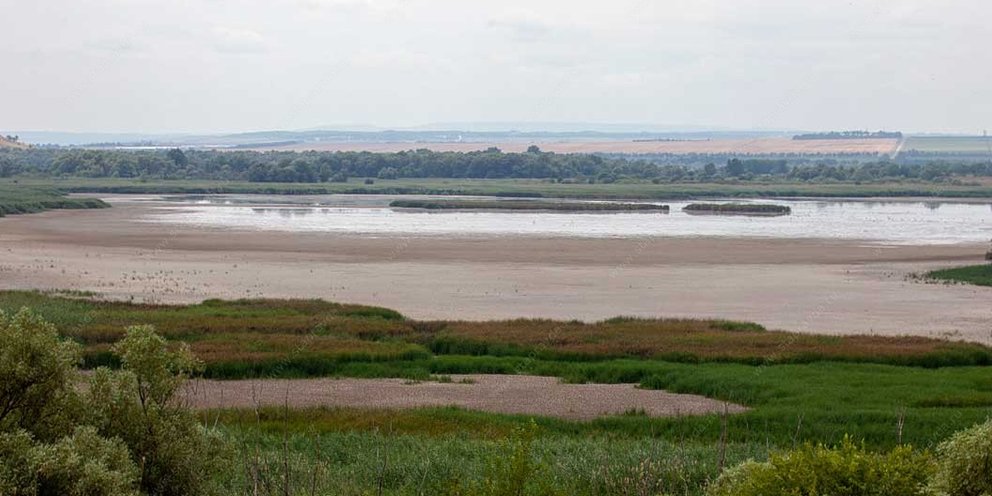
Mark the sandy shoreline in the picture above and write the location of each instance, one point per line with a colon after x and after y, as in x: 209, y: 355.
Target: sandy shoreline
x: 800, y: 285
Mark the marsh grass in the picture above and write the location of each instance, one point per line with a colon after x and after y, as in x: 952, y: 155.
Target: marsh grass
x: 296, y: 338
x: 979, y: 275
x: 534, y: 188
x: 538, y: 205
x: 738, y: 208
x: 16, y: 199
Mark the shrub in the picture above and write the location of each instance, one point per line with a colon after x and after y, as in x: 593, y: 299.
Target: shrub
x: 127, y: 431
x: 139, y: 405
x: 964, y: 466
x: 83, y: 464
x: 848, y: 470
x: 36, y: 374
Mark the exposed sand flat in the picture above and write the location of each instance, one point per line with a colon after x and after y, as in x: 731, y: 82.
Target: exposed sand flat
x: 513, y: 394
x: 756, y: 146
x: 799, y: 285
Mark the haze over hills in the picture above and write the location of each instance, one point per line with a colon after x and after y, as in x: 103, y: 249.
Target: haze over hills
x: 440, y: 132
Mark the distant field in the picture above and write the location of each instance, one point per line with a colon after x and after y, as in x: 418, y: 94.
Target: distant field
x: 5, y: 143
x: 948, y: 144
x: 757, y: 146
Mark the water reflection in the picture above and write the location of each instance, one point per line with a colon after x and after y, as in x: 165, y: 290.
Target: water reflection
x: 909, y: 222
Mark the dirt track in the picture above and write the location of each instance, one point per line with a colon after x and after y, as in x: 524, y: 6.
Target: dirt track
x: 513, y: 394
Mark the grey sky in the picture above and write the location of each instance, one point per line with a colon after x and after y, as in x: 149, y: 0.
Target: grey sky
x: 225, y: 65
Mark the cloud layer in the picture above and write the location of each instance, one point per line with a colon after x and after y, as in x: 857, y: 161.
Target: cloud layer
x: 227, y: 65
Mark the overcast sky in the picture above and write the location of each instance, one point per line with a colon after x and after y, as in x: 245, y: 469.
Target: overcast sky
x: 226, y: 65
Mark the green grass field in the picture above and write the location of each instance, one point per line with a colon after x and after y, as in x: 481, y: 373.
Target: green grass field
x: 948, y: 144
x: 798, y: 388
x: 979, y: 275
x: 528, y: 188
x: 23, y: 199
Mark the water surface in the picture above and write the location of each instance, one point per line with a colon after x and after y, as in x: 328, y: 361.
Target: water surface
x: 892, y: 222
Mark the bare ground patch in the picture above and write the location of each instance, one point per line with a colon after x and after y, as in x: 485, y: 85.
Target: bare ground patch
x: 511, y: 394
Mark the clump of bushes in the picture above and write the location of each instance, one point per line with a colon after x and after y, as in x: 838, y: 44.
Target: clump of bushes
x: 964, y: 466
x: 847, y: 470
x: 125, y: 433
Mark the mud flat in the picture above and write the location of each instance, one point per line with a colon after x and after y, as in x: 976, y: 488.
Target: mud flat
x: 804, y: 285
x: 512, y: 394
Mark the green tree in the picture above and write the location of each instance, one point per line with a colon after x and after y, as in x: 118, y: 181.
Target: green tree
x: 37, y: 371
x: 127, y: 431
x: 178, y: 157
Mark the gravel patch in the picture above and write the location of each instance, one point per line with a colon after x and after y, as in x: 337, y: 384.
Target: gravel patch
x: 512, y: 394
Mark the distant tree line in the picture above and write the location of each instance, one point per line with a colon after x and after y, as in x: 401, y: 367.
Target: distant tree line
x: 313, y: 167
x: 832, y: 135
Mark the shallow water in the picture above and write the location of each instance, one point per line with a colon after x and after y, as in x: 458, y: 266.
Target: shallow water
x: 892, y: 222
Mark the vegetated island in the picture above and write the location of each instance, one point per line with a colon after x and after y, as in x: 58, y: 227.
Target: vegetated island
x: 569, y: 206
x: 16, y: 199
x: 737, y: 209
x: 979, y: 275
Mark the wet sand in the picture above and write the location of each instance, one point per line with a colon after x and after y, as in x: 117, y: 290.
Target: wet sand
x: 512, y: 394
x: 824, y: 286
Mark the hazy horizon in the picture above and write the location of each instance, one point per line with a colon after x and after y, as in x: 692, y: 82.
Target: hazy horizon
x: 218, y: 66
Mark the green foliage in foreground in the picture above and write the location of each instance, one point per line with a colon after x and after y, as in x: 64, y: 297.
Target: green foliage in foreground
x: 519, y: 463
x: 965, y: 463
x: 979, y: 275
x: 126, y: 433
x: 122, y: 433
x: 962, y: 467
x: 15, y: 199
x: 848, y: 470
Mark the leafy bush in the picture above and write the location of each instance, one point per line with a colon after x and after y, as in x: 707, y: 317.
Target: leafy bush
x: 126, y: 431
x: 82, y: 464
x: 848, y: 470
x: 139, y: 405
x: 964, y: 466
x: 36, y: 373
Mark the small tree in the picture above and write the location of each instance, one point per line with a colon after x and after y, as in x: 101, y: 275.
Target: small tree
x: 140, y: 405
x: 127, y: 432
x: 37, y: 370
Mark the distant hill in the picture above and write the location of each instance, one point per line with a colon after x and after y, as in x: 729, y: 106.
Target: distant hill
x: 7, y: 142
